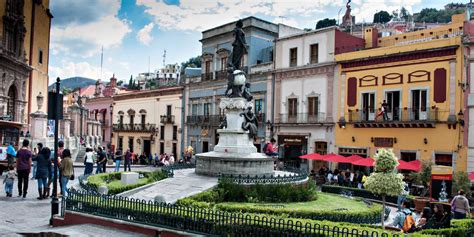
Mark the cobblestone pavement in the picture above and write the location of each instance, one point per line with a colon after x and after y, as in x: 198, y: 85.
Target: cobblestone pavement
x: 29, y: 215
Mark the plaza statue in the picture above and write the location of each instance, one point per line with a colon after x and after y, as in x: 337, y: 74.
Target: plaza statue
x: 235, y: 74
x: 250, y: 124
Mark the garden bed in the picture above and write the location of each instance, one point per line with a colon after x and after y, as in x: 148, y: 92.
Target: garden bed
x: 115, y: 186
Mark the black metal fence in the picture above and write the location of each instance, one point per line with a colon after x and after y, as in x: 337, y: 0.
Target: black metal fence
x: 200, y: 220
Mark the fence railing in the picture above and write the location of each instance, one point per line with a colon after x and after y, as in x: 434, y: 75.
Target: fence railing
x: 166, y: 119
x: 137, y: 127
x: 201, y: 220
x: 397, y: 115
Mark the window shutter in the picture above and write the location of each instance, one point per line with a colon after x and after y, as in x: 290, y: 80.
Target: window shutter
x: 440, y: 85
x: 351, y: 91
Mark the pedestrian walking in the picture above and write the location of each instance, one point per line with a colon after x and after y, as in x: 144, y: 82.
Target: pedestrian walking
x: 23, y: 168
x: 9, y: 180
x: 44, y: 169
x: 118, y: 160
x: 460, y: 205
x: 36, y: 152
x: 102, y: 156
x: 67, y: 171
x: 11, y: 154
x: 128, y: 160
x: 60, y: 155
x: 88, y: 161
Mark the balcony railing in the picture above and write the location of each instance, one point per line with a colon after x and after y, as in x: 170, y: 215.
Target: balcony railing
x: 167, y: 119
x: 397, y: 116
x: 221, y: 75
x: 208, y: 120
x: 138, y: 127
x: 207, y: 76
x: 302, y: 118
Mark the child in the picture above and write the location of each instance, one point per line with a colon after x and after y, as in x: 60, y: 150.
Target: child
x: 8, y: 181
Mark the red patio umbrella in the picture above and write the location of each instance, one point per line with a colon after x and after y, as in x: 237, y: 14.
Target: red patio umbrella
x: 416, y: 163
x: 313, y: 156
x: 354, y: 158
x: 364, y: 162
x: 471, y: 176
x: 403, y: 165
x: 337, y: 158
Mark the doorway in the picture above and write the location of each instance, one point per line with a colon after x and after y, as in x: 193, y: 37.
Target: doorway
x: 147, y: 147
x: 205, y: 146
x: 393, y: 101
x: 419, y: 104
x: 368, y: 106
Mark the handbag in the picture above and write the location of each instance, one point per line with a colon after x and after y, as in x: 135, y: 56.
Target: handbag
x: 72, y: 176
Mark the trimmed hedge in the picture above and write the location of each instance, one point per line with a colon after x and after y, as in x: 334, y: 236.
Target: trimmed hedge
x: 464, y: 227
x: 114, y: 186
x: 211, y: 199
x: 228, y: 191
x: 359, y: 193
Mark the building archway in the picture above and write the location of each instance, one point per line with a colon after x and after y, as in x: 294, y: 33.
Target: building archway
x: 11, y: 107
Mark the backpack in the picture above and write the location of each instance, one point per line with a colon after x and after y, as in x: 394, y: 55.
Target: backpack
x: 409, y: 223
x: 265, y: 148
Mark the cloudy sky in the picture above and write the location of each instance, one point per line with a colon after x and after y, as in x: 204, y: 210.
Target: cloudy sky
x: 134, y: 32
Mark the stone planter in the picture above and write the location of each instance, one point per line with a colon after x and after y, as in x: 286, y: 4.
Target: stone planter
x: 420, y: 203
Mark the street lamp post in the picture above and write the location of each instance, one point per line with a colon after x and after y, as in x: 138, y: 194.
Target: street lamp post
x: 111, y: 123
x: 55, y: 201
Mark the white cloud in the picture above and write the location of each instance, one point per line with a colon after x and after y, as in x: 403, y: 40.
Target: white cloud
x: 364, y: 10
x: 144, y: 35
x: 86, y: 39
x: 80, y: 69
x: 189, y: 15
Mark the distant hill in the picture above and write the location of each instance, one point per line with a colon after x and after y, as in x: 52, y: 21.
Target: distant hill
x: 74, y: 82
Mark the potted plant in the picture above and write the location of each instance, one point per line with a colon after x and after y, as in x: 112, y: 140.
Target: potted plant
x: 422, y: 178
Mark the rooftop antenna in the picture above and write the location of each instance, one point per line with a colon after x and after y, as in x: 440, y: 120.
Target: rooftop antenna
x: 282, y: 17
x: 101, y: 61
x: 164, y: 58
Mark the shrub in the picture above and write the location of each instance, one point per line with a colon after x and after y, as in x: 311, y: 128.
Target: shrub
x: 358, y: 193
x: 227, y: 191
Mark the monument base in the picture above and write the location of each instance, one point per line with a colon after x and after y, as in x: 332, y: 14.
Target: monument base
x: 216, y: 163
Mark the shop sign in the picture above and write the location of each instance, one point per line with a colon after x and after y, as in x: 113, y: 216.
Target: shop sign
x: 292, y: 140
x: 383, y: 142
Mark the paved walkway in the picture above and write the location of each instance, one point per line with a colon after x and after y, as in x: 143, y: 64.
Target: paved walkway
x: 185, y: 183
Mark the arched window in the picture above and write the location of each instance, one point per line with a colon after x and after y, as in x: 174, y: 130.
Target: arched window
x: 11, y: 103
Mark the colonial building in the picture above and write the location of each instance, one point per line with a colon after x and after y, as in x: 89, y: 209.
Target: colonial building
x: 203, y: 95
x: 305, y: 88
x: 419, y: 80
x: 24, y: 57
x: 148, y: 121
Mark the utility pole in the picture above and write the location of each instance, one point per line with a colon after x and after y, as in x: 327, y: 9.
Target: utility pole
x: 101, y: 61
x: 164, y: 58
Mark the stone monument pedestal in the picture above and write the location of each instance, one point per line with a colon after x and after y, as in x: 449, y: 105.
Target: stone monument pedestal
x: 235, y: 153
x: 128, y: 178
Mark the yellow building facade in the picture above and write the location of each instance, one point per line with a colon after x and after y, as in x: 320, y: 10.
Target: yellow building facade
x: 25, y: 36
x: 405, y: 92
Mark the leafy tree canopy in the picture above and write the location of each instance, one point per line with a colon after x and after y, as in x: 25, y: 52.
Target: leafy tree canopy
x: 325, y: 23
x: 382, y: 17
x: 192, y: 62
x: 432, y: 15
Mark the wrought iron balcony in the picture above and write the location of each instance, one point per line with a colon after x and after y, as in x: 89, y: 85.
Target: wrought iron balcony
x: 138, y: 127
x: 302, y: 118
x: 167, y: 119
x: 221, y: 75
x: 207, y: 76
x: 396, y: 117
x: 206, y: 120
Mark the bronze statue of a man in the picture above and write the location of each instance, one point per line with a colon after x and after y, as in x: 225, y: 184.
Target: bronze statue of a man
x: 239, y: 47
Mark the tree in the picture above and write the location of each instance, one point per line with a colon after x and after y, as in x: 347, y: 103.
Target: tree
x: 461, y: 181
x: 120, y: 83
x: 384, y: 181
x: 325, y: 23
x: 130, y: 83
x: 432, y: 15
x: 194, y: 62
x: 66, y: 90
x: 382, y: 17
x: 405, y: 14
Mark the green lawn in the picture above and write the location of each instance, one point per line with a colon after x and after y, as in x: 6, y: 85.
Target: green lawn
x: 325, y: 202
